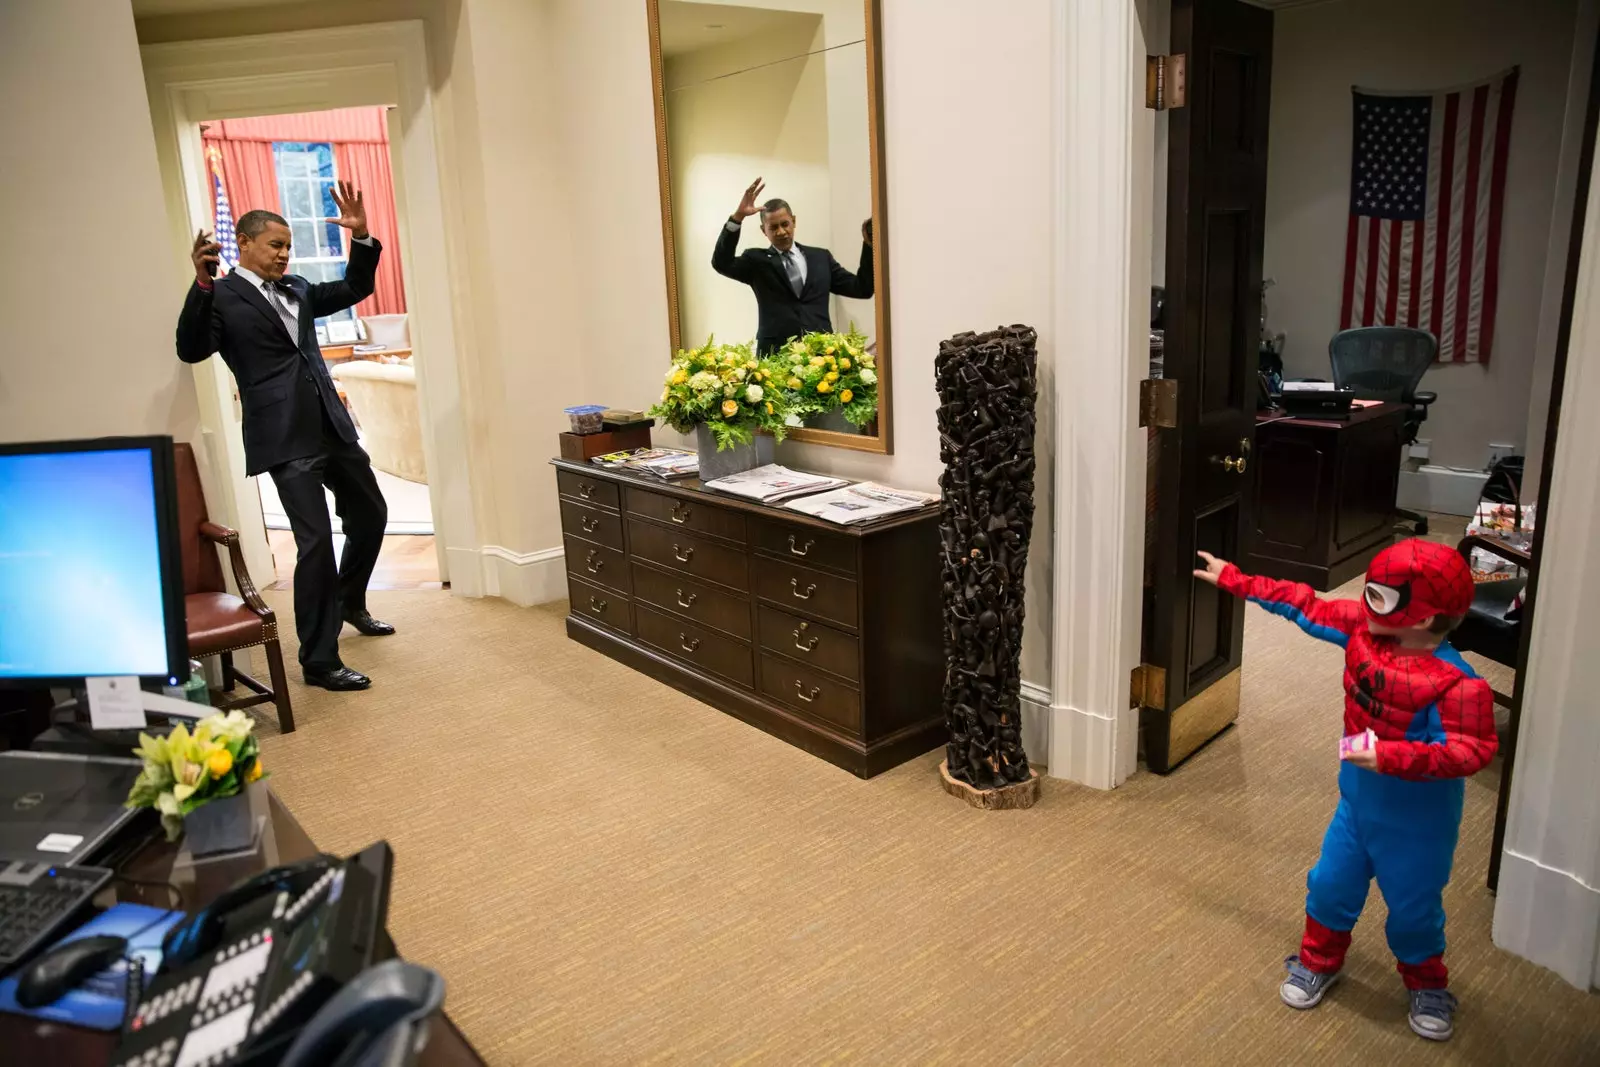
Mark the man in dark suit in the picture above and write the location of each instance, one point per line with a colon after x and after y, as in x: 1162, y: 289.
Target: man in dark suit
x: 295, y: 427
x: 791, y: 281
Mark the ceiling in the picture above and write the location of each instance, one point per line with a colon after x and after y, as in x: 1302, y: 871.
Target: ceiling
x: 687, y: 27
x: 143, y: 9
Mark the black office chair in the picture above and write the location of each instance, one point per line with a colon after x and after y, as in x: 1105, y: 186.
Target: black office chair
x: 1386, y: 363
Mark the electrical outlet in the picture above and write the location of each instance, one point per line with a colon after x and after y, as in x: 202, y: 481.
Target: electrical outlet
x: 1498, y: 452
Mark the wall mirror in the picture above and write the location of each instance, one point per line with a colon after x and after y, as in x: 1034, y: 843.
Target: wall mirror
x: 787, y: 92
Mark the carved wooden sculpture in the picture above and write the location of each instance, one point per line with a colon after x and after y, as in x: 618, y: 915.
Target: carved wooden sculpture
x: 987, y: 387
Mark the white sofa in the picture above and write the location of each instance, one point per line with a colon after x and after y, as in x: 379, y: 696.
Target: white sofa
x: 383, y: 399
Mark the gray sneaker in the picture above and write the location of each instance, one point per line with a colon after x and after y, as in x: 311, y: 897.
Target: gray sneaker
x: 1432, y: 1013
x: 1304, y: 988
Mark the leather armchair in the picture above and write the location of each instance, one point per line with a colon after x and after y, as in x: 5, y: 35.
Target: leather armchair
x: 221, y: 623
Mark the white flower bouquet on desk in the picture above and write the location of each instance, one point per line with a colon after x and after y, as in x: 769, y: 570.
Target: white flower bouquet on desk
x: 186, y: 770
x: 726, y: 389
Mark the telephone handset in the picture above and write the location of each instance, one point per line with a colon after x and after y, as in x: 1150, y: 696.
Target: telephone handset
x: 379, y: 1020
x: 200, y: 932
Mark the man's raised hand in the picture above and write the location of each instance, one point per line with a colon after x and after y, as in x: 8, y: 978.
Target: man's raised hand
x: 747, y: 206
x: 352, y: 209
x: 206, y: 257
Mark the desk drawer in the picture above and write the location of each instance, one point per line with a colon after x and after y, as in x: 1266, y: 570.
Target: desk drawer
x: 803, y: 544
x: 696, y: 516
x: 810, y: 643
x: 684, y: 553
x: 700, y: 602
x: 598, y: 564
x: 591, y: 524
x: 810, y: 692
x: 811, y: 592
x: 588, y: 490
x: 696, y: 645
x: 605, y: 606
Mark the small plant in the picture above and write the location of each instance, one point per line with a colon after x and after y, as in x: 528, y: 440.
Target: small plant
x: 826, y: 372
x: 726, y: 389
x: 184, y: 770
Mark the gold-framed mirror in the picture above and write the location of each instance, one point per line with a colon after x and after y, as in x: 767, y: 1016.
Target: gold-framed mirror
x: 790, y: 92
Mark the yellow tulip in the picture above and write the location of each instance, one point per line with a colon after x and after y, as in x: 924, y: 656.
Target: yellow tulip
x: 220, y: 763
x: 833, y: 376
x: 256, y: 771
x: 828, y: 351
x: 824, y: 386
x: 769, y: 407
x: 794, y: 383
x: 845, y: 396
x: 844, y: 363
x: 681, y: 377
x: 817, y: 361
x: 730, y: 408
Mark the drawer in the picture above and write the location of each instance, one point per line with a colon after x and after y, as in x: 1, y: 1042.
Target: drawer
x: 684, y: 553
x: 810, y: 692
x: 812, y: 592
x: 589, y: 490
x: 606, y: 606
x: 700, y: 602
x: 591, y: 524
x: 809, y: 642
x: 695, y: 645
x: 696, y: 516
x: 597, y: 564
x: 803, y: 544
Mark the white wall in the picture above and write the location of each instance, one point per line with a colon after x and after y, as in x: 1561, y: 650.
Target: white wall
x: 1319, y: 52
x: 88, y: 347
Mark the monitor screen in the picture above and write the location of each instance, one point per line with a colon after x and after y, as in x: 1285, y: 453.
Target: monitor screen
x: 89, y: 582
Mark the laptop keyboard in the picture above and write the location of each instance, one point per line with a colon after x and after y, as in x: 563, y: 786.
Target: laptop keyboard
x: 36, y: 901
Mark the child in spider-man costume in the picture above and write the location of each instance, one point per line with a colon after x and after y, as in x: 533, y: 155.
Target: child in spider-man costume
x: 1400, y: 787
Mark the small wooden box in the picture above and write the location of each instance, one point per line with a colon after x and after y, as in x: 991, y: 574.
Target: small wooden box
x: 584, y: 447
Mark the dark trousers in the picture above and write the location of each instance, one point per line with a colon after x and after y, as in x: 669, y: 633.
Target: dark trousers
x: 325, y: 593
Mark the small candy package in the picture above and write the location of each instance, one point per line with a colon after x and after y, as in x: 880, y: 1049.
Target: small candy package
x: 1362, y: 742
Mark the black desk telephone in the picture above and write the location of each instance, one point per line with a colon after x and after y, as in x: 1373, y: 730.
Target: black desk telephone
x: 279, y: 970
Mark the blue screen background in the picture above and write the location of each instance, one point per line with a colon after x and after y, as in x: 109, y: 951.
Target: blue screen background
x: 80, y: 566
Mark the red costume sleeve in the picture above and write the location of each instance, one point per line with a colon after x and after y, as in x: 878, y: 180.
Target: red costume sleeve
x: 1466, y: 713
x: 1330, y: 620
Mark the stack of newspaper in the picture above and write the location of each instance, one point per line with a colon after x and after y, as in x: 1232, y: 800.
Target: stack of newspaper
x: 669, y: 463
x: 862, y: 503
x: 772, y: 483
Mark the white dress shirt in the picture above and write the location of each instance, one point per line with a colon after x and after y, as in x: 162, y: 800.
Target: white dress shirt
x: 274, y: 295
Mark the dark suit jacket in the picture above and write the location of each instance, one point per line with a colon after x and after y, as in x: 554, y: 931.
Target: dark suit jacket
x: 782, y: 315
x: 284, y: 385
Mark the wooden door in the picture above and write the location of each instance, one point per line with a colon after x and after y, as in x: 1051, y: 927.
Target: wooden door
x: 1216, y: 209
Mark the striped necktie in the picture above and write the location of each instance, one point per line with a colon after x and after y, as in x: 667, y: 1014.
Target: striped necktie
x: 281, y: 306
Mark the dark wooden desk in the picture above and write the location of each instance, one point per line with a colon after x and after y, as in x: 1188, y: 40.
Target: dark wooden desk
x: 32, y: 1041
x: 1325, y: 494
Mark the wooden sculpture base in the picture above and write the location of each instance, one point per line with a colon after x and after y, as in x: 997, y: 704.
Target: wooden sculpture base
x: 1007, y: 797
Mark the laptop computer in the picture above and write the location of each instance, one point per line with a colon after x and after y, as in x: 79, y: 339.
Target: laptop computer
x: 62, y: 809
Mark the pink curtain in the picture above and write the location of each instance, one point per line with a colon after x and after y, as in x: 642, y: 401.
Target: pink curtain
x: 248, y: 173
x: 367, y: 165
x: 361, y: 124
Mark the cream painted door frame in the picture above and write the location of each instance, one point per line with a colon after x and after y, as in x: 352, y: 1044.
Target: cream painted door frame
x: 318, y: 70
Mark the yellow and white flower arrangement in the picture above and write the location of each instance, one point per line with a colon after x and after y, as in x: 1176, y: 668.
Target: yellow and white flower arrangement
x: 184, y: 770
x: 727, y: 389
x: 826, y: 372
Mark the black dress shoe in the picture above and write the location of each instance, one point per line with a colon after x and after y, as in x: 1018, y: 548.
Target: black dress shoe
x: 340, y: 679
x: 363, y: 621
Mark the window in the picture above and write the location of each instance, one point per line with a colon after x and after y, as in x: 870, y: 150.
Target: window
x: 305, y: 188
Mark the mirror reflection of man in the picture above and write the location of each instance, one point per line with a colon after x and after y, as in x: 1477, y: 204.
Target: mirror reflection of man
x: 791, y: 281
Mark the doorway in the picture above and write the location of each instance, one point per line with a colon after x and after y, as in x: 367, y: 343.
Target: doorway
x: 289, y: 164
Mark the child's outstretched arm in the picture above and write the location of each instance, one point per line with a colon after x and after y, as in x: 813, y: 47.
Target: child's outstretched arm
x: 1329, y: 620
x: 1466, y: 717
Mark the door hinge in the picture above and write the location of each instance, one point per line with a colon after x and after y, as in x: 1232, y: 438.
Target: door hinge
x: 1165, y: 81
x: 1158, y: 403
x: 1148, y: 687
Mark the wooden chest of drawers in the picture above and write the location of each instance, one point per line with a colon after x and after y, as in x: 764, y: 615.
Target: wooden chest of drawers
x: 824, y: 636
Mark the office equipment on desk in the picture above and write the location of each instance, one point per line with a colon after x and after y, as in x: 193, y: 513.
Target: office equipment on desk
x: 98, y: 1000
x: 240, y: 979
x: 38, y: 900
x: 63, y: 809
x: 1318, y: 399
x: 1387, y: 363
x: 1325, y: 494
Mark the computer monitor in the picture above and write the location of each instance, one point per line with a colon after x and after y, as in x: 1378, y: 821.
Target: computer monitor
x: 91, y: 574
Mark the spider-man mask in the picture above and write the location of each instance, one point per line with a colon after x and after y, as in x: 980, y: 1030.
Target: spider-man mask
x: 1414, y: 579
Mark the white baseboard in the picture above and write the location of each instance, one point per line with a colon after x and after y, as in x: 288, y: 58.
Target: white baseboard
x: 1036, y: 725
x: 1441, y: 490
x: 1557, y: 924
x: 524, y: 578
x: 1099, y: 751
x: 466, y: 571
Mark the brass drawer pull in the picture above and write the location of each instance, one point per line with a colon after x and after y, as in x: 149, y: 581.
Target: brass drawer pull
x: 686, y: 644
x: 593, y: 564
x: 585, y: 490
x: 589, y: 525
x: 800, y: 691
x: 805, y: 646
x: 794, y: 587
x: 598, y: 606
x: 687, y: 602
x: 680, y: 513
x: 682, y: 555
x: 806, y: 551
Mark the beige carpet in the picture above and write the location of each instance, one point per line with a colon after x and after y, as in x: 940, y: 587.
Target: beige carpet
x: 608, y: 872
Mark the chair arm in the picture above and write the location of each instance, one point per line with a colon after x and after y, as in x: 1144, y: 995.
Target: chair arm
x: 1424, y: 397
x: 1495, y: 547
x: 241, y: 576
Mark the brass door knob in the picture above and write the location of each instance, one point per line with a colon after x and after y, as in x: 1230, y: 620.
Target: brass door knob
x: 1235, y: 464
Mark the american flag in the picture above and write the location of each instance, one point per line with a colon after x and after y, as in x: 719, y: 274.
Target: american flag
x: 222, y: 214
x: 1427, y: 191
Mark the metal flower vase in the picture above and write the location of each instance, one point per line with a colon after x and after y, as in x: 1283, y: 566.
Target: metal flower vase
x: 714, y: 464
x: 226, y: 825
